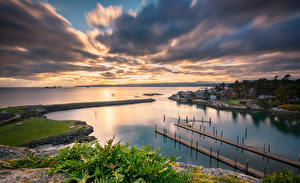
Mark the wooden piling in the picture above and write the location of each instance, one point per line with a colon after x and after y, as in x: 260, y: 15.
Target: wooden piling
x: 245, y: 147
x: 218, y: 155
x: 246, y: 166
x: 164, y: 118
x: 235, y: 160
x: 214, y: 155
x: 186, y: 119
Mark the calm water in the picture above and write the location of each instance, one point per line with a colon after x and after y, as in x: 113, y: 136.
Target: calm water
x: 135, y: 123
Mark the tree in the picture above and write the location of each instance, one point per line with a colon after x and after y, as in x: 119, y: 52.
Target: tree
x: 286, y: 77
x: 286, y: 93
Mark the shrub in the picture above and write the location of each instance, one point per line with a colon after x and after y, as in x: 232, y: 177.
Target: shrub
x: 285, y: 176
x: 90, y: 162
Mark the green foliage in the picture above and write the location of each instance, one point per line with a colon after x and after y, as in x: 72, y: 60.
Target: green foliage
x: 286, y: 93
x: 90, y: 162
x: 285, y: 176
x: 285, y: 89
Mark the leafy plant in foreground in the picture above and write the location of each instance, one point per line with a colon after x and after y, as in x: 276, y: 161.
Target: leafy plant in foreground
x: 90, y: 162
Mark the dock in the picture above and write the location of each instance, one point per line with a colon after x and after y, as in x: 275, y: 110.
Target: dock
x: 236, y: 144
x: 215, y: 155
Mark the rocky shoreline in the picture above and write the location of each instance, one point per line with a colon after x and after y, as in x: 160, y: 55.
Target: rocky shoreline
x: 247, y: 107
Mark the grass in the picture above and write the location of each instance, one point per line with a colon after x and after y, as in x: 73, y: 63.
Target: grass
x: 32, y: 129
x: 232, y: 102
x: 15, y: 110
x: 291, y: 107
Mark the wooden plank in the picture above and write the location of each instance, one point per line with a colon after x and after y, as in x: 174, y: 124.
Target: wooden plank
x: 215, y: 155
x: 248, y: 148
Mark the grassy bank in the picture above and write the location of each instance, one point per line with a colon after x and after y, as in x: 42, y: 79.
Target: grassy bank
x: 291, y: 107
x: 31, y: 129
x: 232, y: 102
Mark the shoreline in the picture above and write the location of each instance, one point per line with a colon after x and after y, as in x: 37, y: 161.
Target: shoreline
x: 81, y: 134
x: 219, y: 106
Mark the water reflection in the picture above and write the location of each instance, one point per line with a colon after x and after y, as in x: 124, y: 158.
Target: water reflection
x: 135, y: 123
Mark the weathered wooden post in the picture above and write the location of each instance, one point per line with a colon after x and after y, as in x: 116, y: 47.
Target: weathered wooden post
x: 209, y: 120
x: 186, y: 119
x: 178, y: 119
x: 218, y: 155
x: 235, y: 160
x: 269, y: 148
x: 213, y: 130
x: 265, y: 172
x: 164, y: 118
x: 202, y: 119
x: 216, y: 132
x: 246, y: 131
x: 247, y: 166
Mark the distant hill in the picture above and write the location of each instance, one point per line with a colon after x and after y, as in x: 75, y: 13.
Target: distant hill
x: 154, y: 85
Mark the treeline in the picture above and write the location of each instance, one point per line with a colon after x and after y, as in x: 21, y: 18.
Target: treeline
x: 286, y: 90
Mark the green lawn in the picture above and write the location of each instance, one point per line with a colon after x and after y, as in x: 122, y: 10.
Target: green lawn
x: 15, y: 110
x: 231, y: 102
x: 32, y: 129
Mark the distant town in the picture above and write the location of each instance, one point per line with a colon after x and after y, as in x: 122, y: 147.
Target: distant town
x: 277, y: 95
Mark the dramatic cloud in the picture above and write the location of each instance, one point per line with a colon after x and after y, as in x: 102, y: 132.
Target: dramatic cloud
x: 35, y: 39
x: 103, y: 16
x: 164, y: 41
x: 206, y: 29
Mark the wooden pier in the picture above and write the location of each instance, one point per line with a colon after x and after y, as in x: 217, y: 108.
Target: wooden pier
x: 215, y: 155
x: 236, y: 144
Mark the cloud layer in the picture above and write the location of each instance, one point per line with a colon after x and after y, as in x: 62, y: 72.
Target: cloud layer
x: 167, y: 41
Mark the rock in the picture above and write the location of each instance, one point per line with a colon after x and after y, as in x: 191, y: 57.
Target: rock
x: 8, y: 152
x: 37, y: 175
x: 253, y: 106
x: 86, y: 139
x: 223, y: 172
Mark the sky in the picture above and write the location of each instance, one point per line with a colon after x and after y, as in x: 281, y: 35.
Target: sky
x: 90, y: 42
